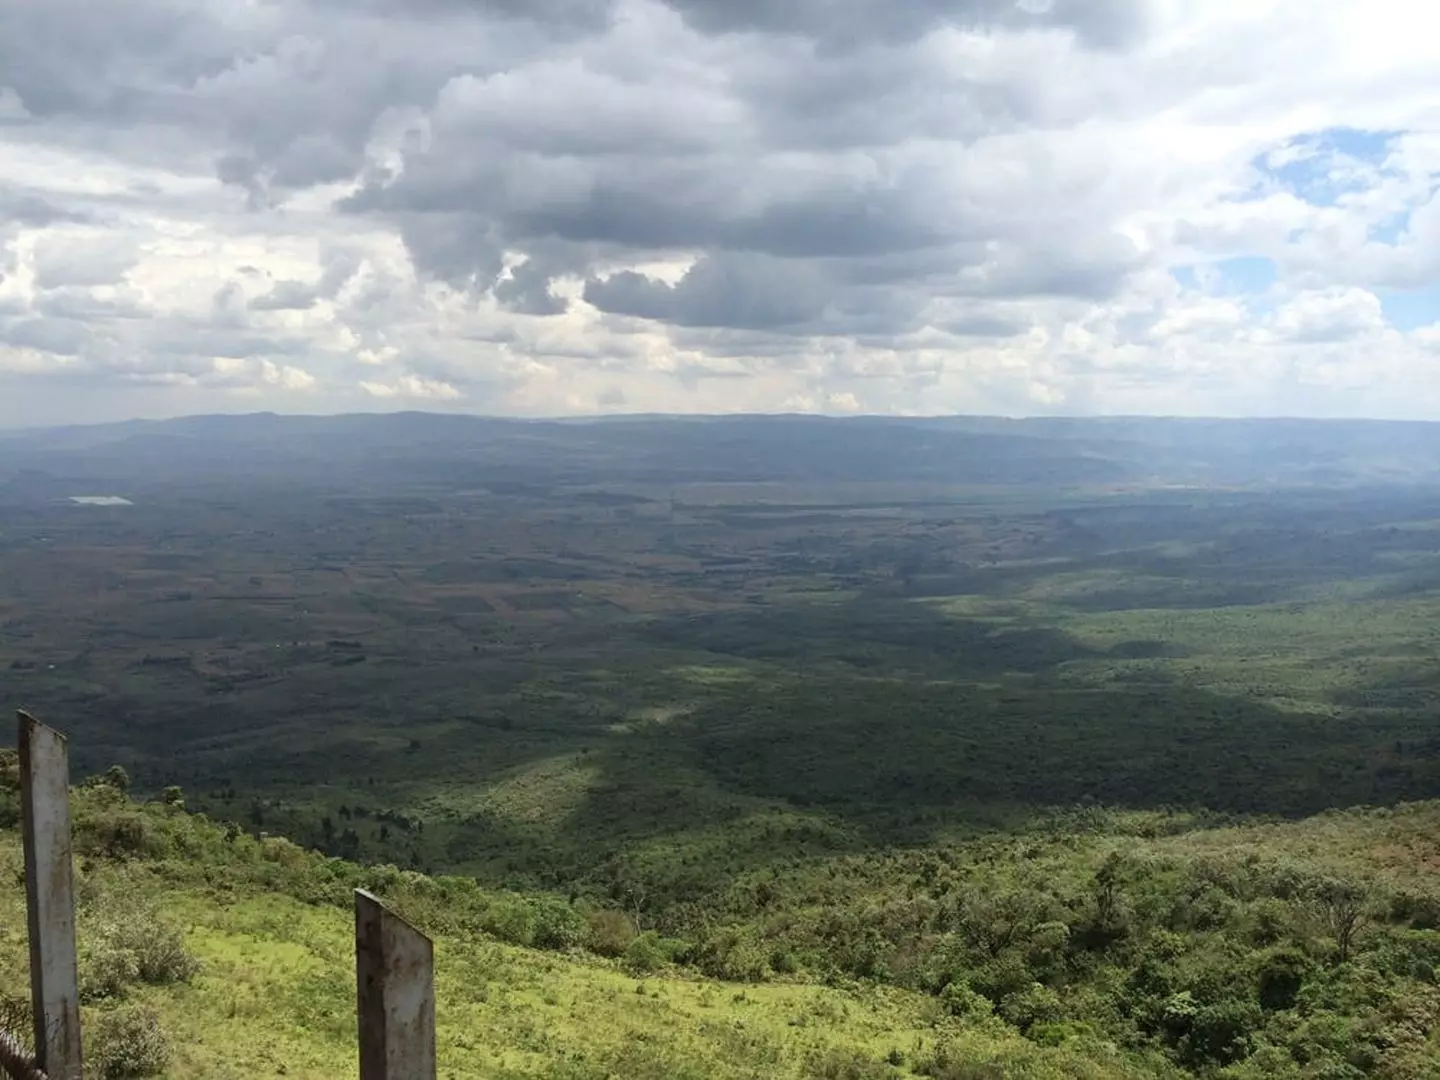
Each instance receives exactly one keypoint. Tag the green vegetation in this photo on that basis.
(1102, 946)
(1078, 772)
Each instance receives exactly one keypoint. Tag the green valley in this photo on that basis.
(759, 746)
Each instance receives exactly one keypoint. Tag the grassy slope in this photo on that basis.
(275, 996)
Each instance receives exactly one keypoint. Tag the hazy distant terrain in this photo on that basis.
(436, 453)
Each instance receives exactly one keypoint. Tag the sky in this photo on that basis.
(562, 207)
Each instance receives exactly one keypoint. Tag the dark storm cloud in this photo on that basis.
(749, 292)
(527, 290)
(287, 93)
(626, 153)
(814, 157)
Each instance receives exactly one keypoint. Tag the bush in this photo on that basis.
(113, 828)
(610, 932)
(965, 1003)
(127, 1042)
(160, 947)
(736, 955)
(124, 947)
(107, 969)
(650, 952)
(1280, 975)
(1035, 1004)
(845, 1065)
(558, 925)
(513, 921)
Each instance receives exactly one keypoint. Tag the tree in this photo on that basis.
(1340, 906)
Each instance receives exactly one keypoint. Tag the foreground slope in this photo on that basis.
(1222, 952)
(274, 993)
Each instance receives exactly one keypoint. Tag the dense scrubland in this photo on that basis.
(752, 747)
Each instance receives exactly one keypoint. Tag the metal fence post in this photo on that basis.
(395, 994)
(50, 898)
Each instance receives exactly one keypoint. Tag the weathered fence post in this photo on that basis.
(395, 994)
(50, 898)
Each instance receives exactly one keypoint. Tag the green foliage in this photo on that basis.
(610, 932)
(843, 1065)
(121, 944)
(559, 926)
(650, 952)
(107, 969)
(9, 788)
(1058, 771)
(1033, 1005)
(126, 1042)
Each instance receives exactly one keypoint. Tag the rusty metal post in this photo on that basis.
(395, 994)
(50, 898)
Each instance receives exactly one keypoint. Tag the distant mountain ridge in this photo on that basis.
(450, 450)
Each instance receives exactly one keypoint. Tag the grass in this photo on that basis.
(276, 997)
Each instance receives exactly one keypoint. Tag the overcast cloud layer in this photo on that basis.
(542, 207)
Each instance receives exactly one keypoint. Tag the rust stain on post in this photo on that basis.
(50, 898)
(395, 994)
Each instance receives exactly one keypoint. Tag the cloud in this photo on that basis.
(413, 387)
(83, 259)
(842, 22)
(61, 337)
(745, 292)
(285, 296)
(582, 205)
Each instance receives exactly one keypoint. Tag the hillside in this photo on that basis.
(1114, 947)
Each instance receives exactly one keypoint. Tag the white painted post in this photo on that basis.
(395, 994)
(50, 898)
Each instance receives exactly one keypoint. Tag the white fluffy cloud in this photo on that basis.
(1188, 206)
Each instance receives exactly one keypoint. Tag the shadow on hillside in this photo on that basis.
(827, 758)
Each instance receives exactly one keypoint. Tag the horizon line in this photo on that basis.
(696, 416)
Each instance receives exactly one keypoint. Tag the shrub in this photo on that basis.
(124, 947)
(558, 925)
(1280, 974)
(112, 827)
(650, 952)
(965, 1003)
(1033, 1005)
(513, 921)
(845, 1065)
(127, 1042)
(106, 969)
(160, 947)
(610, 932)
(736, 955)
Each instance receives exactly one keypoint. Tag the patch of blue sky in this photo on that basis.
(1185, 276)
(1240, 275)
(1323, 166)
(1407, 309)
(1391, 229)
(1246, 274)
